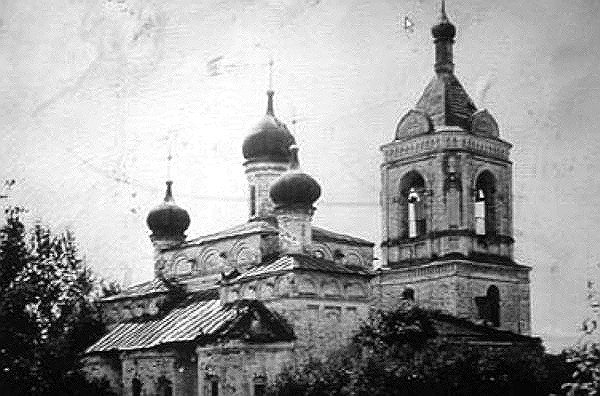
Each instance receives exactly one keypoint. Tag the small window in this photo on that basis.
(489, 306)
(260, 386)
(252, 200)
(164, 388)
(214, 387)
(408, 294)
(136, 387)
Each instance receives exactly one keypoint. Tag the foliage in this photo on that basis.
(399, 353)
(585, 379)
(47, 312)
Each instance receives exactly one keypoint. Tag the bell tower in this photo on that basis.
(447, 205)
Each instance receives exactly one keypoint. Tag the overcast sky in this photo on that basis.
(91, 91)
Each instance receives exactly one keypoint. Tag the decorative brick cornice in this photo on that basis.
(446, 140)
(488, 239)
(480, 258)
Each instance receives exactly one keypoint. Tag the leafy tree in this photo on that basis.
(585, 378)
(400, 353)
(47, 312)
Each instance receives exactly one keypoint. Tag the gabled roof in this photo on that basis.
(446, 102)
(321, 234)
(201, 320)
(291, 262)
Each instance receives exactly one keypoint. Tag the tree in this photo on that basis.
(48, 314)
(400, 353)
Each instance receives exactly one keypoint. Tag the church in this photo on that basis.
(226, 312)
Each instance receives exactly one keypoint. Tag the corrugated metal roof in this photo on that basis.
(299, 262)
(154, 286)
(194, 319)
(250, 227)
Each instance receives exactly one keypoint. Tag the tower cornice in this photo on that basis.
(451, 139)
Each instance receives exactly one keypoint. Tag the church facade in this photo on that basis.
(226, 312)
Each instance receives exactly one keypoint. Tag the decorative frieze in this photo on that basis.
(453, 140)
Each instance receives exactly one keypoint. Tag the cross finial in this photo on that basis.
(169, 138)
(271, 63)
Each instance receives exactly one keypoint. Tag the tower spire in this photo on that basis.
(443, 34)
(443, 11)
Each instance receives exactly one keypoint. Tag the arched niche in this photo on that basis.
(306, 286)
(321, 250)
(355, 290)
(331, 288)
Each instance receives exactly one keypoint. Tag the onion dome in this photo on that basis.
(270, 139)
(444, 29)
(168, 219)
(295, 188)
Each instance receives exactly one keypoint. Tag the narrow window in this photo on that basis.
(136, 387)
(214, 387)
(260, 386)
(480, 213)
(252, 200)
(493, 297)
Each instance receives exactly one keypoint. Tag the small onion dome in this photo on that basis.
(444, 29)
(270, 139)
(295, 188)
(168, 219)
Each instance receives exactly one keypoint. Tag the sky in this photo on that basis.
(93, 93)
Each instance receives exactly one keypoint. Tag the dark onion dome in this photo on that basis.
(444, 29)
(295, 188)
(168, 219)
(270, 139)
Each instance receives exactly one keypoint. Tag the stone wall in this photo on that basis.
(453, 286)
(237, 368)
(153, 369)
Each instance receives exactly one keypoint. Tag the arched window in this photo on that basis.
(164, 387)
(412, 189)
(493, 297)
(489, 306)
(136, 387)
(485, 189)
(408, 294)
